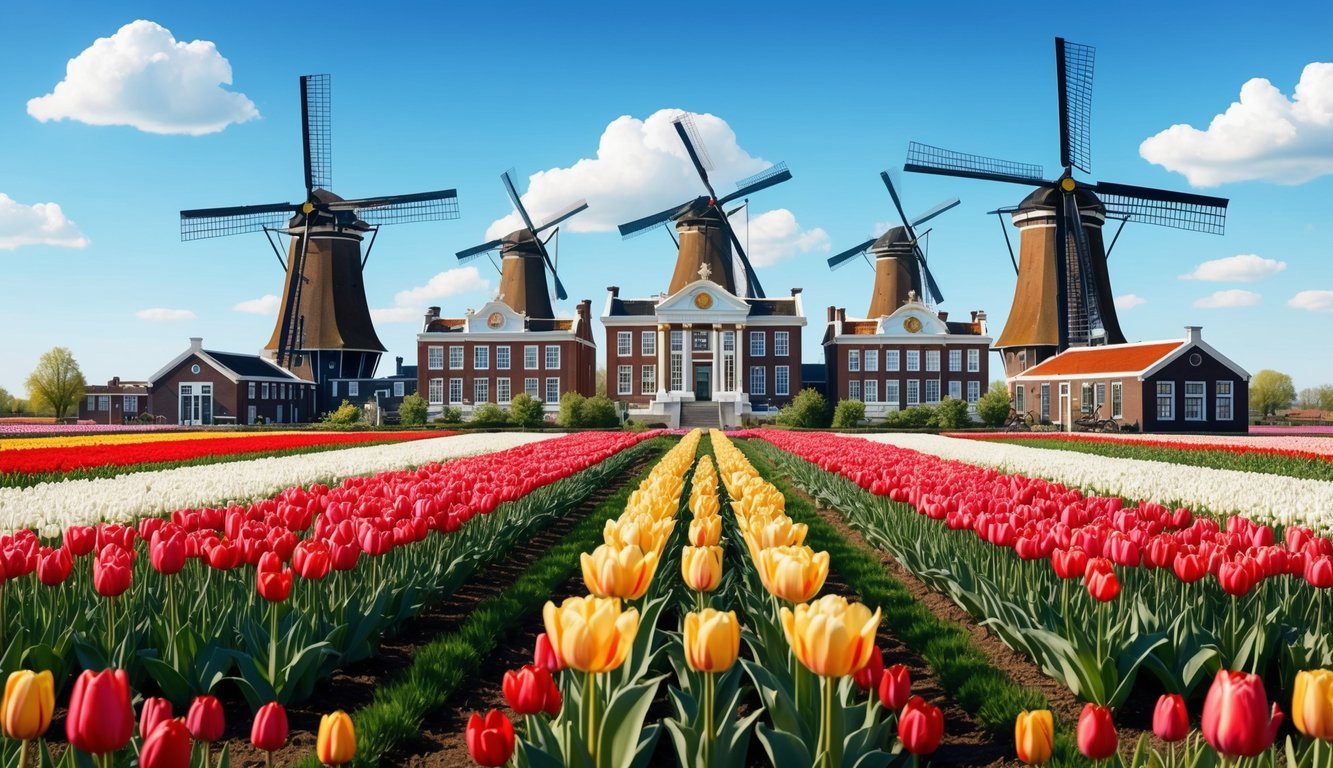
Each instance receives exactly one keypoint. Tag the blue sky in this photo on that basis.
(429, 96)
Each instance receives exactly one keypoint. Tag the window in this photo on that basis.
(1100, 396)
(532, 386)
(1085, 397)
(1195, 394)
(530, 357)
(891, 392)
(974, 361)
(455, 390)
(502, 358)
(1045, 402)
(1117, 400)
(435, 391)
(398, 389)
(701, 341)
(104, 402)
(553, 389)
(756, 343)
(872, 391)
(1022, 360)
(758, 380)
(648, 380)
(481, 390)
(854, 360)
(782, 343)
(648, 343)
(1222, 402)
(481, 357)
(956, 389)
(932, 360)
(871, 360)
(782, 380)
(455, 358)
(552, 357)
(624, 343)
(353, 389)
(625, 380)
(913, 392)
(677, 374)
(1020, 404)
(890, 360)
(333, 389)
(973, 392)
(251, 389)
(932, 391)
(1166, 400)
(854, 389)
(956, 359)
(91, 405)
(435, 358)
(913, 360)
(502, 390)
(264, 390)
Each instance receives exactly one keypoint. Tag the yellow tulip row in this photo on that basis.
(712, 638)
(122, 438)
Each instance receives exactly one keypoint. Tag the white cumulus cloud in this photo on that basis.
(1263, 136)
(143, 77)
(410, 305)
(164, 315)
(37, 224)
(1242, 268)
(264, 305)
(775, 236)
(1227, 299)
(1313, 301)
(1129, 301)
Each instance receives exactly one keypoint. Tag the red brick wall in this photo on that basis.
(577, 371)
(837, 355)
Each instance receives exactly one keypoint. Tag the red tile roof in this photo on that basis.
(1115, 358)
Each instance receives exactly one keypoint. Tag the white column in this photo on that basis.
(663, 359)
(741, 341)
(717, 360)
(687, 365)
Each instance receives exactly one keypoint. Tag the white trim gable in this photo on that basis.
(680, 307)
(1201, 345)
(478, 321)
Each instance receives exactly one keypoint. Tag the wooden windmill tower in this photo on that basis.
(705, 234)
(324, 330)
(524, 259)
(900, 263)
(1063, 296)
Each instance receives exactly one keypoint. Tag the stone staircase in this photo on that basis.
(702, 415)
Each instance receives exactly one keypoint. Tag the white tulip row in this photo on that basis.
(50, 507)
(1317, 445)
(1261, 497)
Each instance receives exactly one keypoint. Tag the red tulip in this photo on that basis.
(311, 559)
(895, 687)
(1189, 567)
(1069, 563)
(54, 565)
(269, 731)
(1123, 551)
(1236, 577)
(1319, 571)
(1097, 738)
(343, 557)
(155, 710)
(166, 746)
(100, 718)
(274, 586)
(112, 571)
(223, 554)
(1101, 581)
(1236, 719)
(531, 690)
(81, 539)
(545, 656)
(920, 726)
(1170, 720)
(205, 719)
(490, 741)
(166, 550)
(867, 677)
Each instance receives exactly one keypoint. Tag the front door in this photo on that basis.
(703, 382)
(1066, 415)
(195, 404)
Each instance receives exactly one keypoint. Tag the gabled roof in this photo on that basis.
(1111, 358)
(782, 307)
(249, 366)
(124, 388)
(636, 307)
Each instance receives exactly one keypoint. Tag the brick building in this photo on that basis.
(116, 402)
(201, 386)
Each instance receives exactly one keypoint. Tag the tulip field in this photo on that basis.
(753, 598)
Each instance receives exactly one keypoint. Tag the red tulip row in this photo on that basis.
(1239, 449)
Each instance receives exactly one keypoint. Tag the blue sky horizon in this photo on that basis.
(113, 117)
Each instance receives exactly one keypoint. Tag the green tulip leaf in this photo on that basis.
(784, 748)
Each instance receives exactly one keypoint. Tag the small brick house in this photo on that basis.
(1180, 385)
(116, 402)
(201, 386)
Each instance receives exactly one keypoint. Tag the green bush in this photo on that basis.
(993, 407)
(489, 415)
(808, 409)
(412, 412)
(526, 411)
(849, 413)
(916, 417)
(346, 414)
(571, 410)
(450, 415)
(951, 414)
(577, 411)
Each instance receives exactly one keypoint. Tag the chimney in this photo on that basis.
(196, 343)
(979, 322)
(584, 309)
(398, 365)
(832, 313)
(614, 290)
(944, 317)
(432, 313)
(115, 382)
(842, 314)
(1193, 334)
(796, 291)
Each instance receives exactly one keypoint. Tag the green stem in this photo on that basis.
(590, 703)
(171, 621)
(1101, 630)
(273, 646)
(709, 714)
(23, 754)
(826, 721)
(110, 630)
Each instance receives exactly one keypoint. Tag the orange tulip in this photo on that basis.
(701, 567)
(831, 636)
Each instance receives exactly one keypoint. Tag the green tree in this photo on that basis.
(346, 414)
(6, 401)
(1326, 397)
(848, 414)
(951, 413)
(56, 383)
(993, 407)
(571, 410)
(412, 412)
(526, 411)
(489, 415)
(1271, 391)
(599, 411)
(600, 386)
(808, 409)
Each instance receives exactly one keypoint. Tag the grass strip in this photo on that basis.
(440, 667)
(983, 690)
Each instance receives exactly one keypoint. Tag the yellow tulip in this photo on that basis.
(794, 574)
(1311, 704)
(777, 532)
(591, 634)
(706, 531)
(701, 567)
(336, 744)
(704, 506)
(637, 529)
(29, 701)
(830, 636)
(712, 640)
(1034, 736)
(618, 571)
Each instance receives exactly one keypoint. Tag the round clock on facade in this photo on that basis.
(912, 325)
(703, 300)
(194, 368)
(495, 320)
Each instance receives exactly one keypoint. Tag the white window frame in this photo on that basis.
(974, 360)
(1045, 402)
(435, 358)
(456, 391)
(1228, 398)
(1020, 399)
(91, 404)
(891, 394)
(758, 380)
(624, 343)
(870, 361)
(532, 386)
(913, 360)
(625, 380)
(481, 391)
(1170, 394)
(935, 389)
(263, 391)
(251, 389)
(955, 389)
(1201, 399)
(913, 392)
(552, 357)
(781, 343)
(757, 343)
(553, 389)
(956, 360)
(104, 403)
(503, 393)
(435, 391)
(892, 360)
(399, 388)
(854, 389)
(530, 357)
(648, 343)
(353, 389)
(853, 361)
(502, 357)
(481, 357)
(456, 358)
(973, 392)
(1117, 400)
(871, 389)
(932, 361)
(782, 380)
(648, 380)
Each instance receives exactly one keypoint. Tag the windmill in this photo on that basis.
(1063, 293)
(703, 223)
(900, 262)
(324, 329)
(524, 258)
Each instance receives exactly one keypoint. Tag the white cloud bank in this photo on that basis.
(143, 77)
(410, 305)
(37, 224)
(164, 315)
(1312, 301)
(1129, 301)
(264, 305)
(1227, 299)
(1242, 268)
(641, 167)
(1264, 136)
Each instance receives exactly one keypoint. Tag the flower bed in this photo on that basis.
(28, 429)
